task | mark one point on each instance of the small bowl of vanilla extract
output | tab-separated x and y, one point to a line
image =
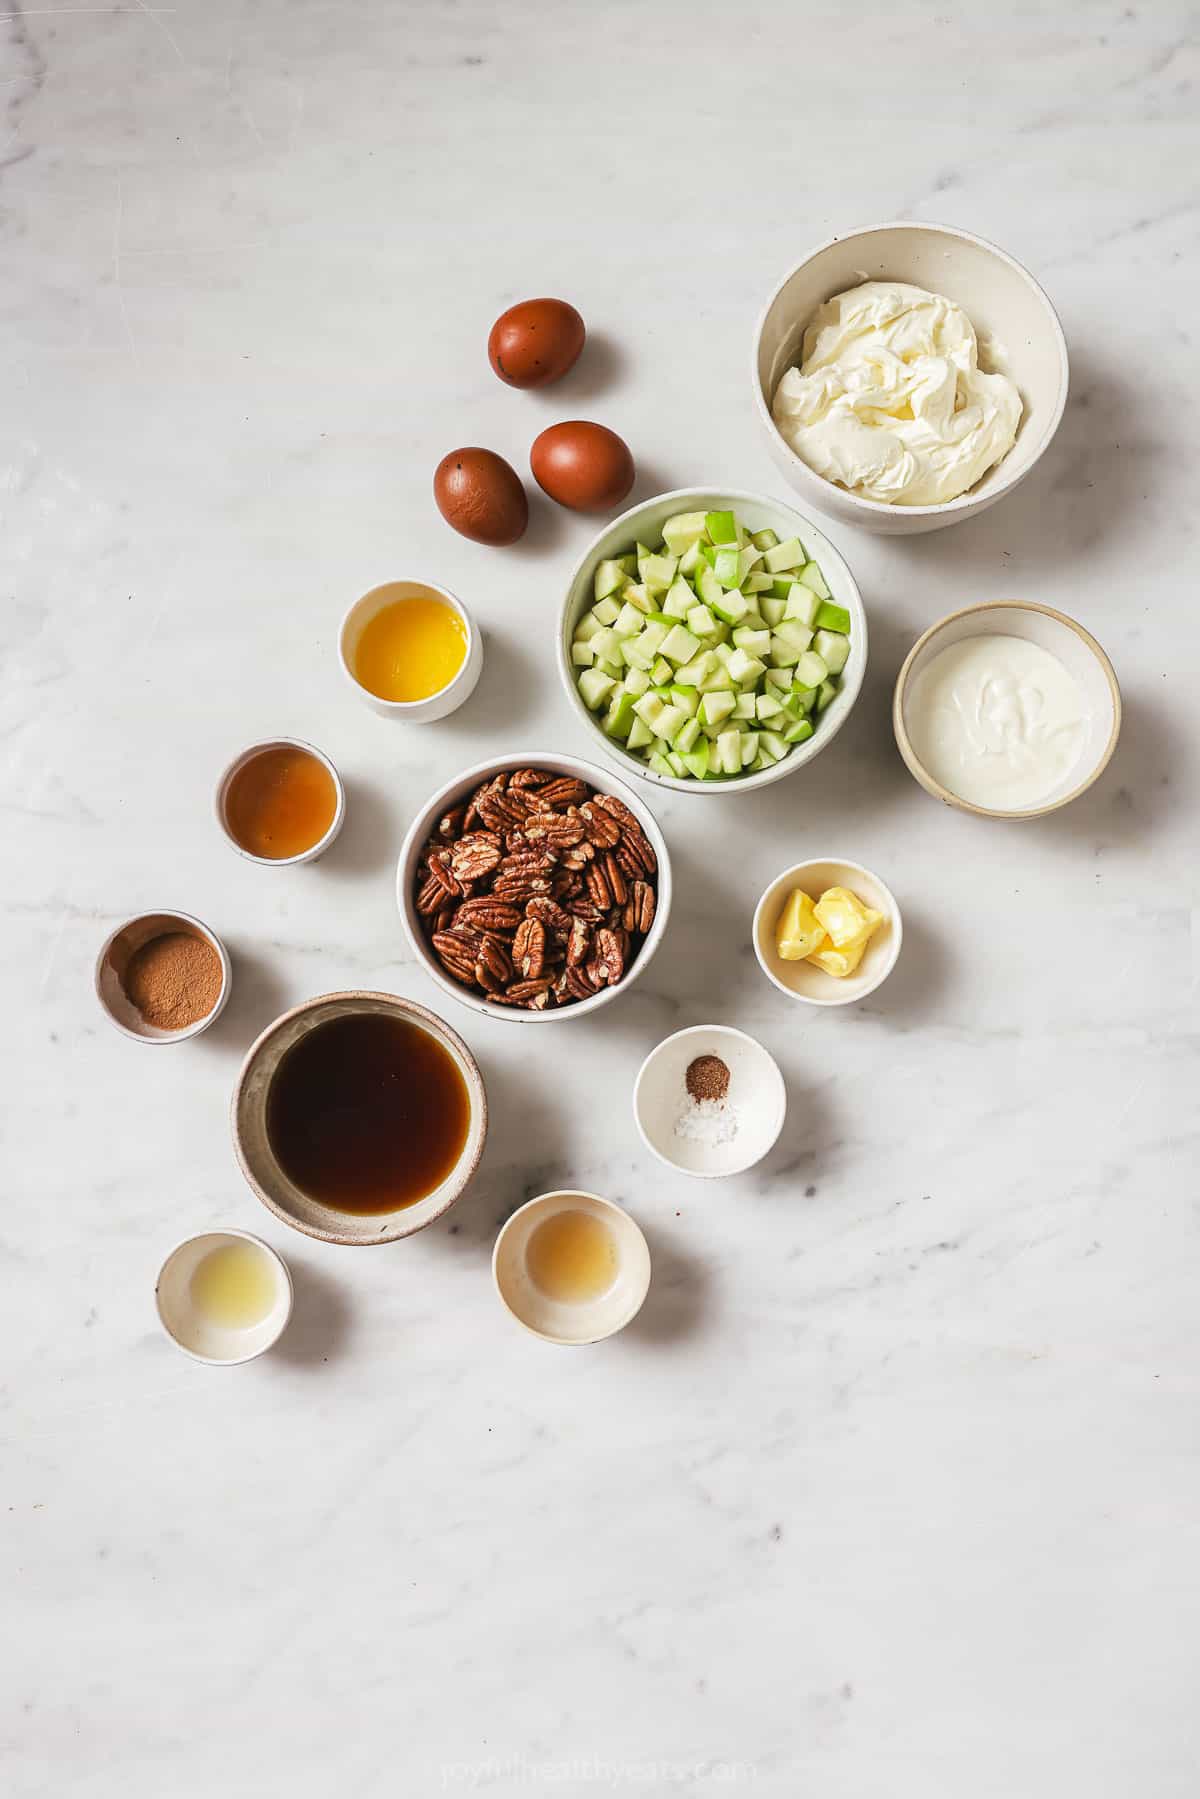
281	802
359	1117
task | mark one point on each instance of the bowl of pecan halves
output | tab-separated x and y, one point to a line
534	887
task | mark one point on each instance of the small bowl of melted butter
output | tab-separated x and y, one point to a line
571	1267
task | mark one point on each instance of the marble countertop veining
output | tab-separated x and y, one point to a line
894	1486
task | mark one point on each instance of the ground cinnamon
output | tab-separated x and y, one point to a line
707	1078
174	980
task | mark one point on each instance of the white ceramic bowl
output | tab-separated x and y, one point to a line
1076	648
248	755
197	1335
114	959
256	1157
804	980
757	1099
458	789
1003	302
643	524
438	705
560	1321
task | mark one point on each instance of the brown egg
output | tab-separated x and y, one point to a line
481	495
536	342
586	467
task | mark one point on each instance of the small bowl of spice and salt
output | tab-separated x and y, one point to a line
163	977
709	1101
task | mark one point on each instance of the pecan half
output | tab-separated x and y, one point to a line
474	856
451	824
429	897
615	878
521	992
598	886
607	964
456	954
636	856
642	906
601	830
489	915
547	912
529	777
493	968
560	792
529	948
579	943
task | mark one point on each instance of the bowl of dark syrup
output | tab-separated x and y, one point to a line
359	1117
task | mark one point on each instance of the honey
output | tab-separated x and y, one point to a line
411	649
281	802
368	1113
234	1286
571	1257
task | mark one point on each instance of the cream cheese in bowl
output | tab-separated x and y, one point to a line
890	400
998	720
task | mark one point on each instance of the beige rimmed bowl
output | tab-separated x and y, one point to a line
804	980
197	1335
459	789
1064	638
643	524
560	1321
247	755
1018	328
257	1159
436	705
115	956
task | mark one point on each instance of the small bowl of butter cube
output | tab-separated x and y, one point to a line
827	932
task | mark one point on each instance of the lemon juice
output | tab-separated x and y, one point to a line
233	1287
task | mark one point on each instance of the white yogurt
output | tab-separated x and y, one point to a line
998	721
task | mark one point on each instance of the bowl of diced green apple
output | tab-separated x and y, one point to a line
713	639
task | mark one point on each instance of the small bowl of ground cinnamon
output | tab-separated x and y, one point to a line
162	977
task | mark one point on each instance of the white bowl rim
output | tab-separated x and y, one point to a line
596	777
790	764
407	708
964	501
708	1030
538	1199
477	1109
895	921
239	761
916	767
189	1030
220	1230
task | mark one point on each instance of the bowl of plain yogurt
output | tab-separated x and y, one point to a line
1007	709
908	376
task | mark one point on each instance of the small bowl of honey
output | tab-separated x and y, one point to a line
359	1117
281	802
571	1267
411	651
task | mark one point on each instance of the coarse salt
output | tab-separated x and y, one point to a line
707	1121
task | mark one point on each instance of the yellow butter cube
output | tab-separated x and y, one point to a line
843	915
799	931
838	962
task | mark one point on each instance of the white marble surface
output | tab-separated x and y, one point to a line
895	1486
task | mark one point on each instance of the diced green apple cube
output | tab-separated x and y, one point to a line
772	744
582	654
827	691
767	707
695	672
732	607
772	610
755	643
758	582
707	586
784	555
700	621
812	577
743	707
679	645
798	732
686	698
716	706
654	634
686	736
834	650
662	672
749	748
678	600
784	654
640	735
670	720
832	618
635	654
637	682
620	715
609	576
650	707
658	571
746	561
689	562
801	605
765	540
726	566
729	752
744	668
721	527
628	621
595	688
696	760
605	611
811	669
587	628
793	632
611	666
658	762
684	529
640	597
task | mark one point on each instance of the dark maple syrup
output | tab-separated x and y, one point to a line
368	1113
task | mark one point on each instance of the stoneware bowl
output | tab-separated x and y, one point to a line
197	1335
459	789
249	1119
1002	300
560	1321
1076	648
438	705
756	1102
114	959
804	980
248	755
643	524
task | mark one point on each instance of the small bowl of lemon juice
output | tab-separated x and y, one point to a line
224	1297
411	650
